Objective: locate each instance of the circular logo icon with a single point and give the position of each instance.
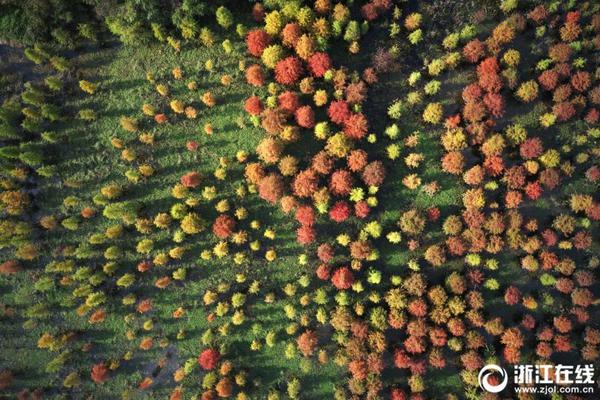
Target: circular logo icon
(484, 376)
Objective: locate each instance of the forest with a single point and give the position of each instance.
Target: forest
(298, 199)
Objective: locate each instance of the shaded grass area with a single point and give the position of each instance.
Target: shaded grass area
(86, 162)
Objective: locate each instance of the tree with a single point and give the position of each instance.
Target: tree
(257, 41)
(357, 160)
(338, 111)
(288, 70)
(305, 234)
(192, 224)
(342, 278)
(209, 358)
(340, 182)
(290, 34)
(528, 91)
(9, 267)
(322, 163)
(307, 343)
(318, 64)
(270, 188)
(99, 373)
(374, 173)
(255, 75)
(223, 226)
(356, 126)
(340, 211)
(305, 183)
(269, 150)
(512, 296)
(548, 79)
(288, 101)
(435, 255)
(531, 148)
(453, 162)
(433, 113)
(253, 105)
(305, 117)
(474, 51)
(191, 179)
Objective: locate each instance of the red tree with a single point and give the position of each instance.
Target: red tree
(305, 117)
(340, 182)
(288, 70)
(223, 226)
(288, 101)
(338, 111)
(340, 211)
(191, 179)
(253, 105)
(99, 373)
(342, 278)
(318, 64)
(256, 41)
(356, 126)
(209, 358)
